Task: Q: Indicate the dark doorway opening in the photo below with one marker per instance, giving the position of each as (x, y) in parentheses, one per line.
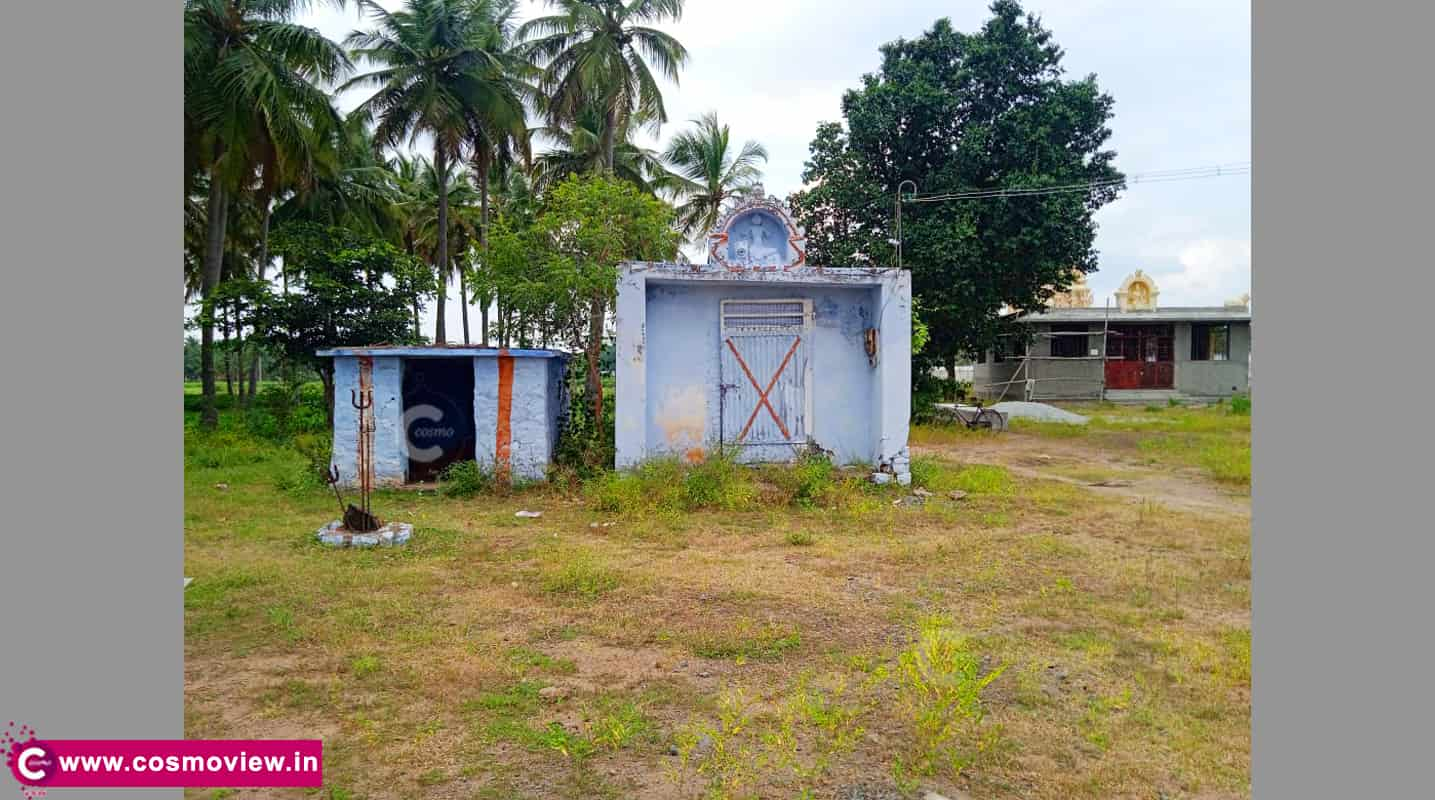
(438, 414)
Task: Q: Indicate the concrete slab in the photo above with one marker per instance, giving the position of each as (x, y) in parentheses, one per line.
(335, 535)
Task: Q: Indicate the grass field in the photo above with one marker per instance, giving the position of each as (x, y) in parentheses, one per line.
(729, 632)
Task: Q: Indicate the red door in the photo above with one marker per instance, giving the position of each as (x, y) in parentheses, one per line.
(1140, 357)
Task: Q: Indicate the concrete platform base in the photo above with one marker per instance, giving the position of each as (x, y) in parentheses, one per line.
(336, 535)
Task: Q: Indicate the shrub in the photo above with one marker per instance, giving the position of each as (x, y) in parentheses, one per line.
(815, 478)
(585, 445)
(926, 473)
(747, 640)
(800, 538)
(464, 479)
(668, 486)
(224, 449)
(616, 492)
(1241, 405)
(812, 481)
(719, 483)
(940, 680)
(580, 575)
(932, 475)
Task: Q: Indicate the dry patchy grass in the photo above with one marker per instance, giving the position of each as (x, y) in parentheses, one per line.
(748, 633)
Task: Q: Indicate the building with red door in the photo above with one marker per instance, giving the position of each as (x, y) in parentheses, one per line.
(1131, 350)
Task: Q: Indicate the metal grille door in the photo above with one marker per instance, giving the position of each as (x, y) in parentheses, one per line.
(765, 374)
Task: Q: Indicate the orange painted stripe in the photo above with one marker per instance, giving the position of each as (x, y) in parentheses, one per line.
(503, 441)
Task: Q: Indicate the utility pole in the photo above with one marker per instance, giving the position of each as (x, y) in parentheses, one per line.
(899, 218)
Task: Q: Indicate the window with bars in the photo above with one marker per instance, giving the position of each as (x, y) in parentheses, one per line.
(765, 316)
(1066, 344)
(1211, 342)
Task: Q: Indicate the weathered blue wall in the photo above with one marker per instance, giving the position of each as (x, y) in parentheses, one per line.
(533, 418)
(391, 456)
(684, 370)
(669, 340)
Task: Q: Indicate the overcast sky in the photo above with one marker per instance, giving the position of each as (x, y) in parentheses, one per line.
(1179, 73)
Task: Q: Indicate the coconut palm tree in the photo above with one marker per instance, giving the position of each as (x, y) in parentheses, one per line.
(600, 51)
(351, 186)
(439, 65)
(577, 147)
(422, 234)
(710, 173)
(252, 101)
(499, 140)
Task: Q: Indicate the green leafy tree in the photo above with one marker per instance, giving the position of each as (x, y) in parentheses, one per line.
(599, 51)
(345, 289)
(440, 66)
(590, 225)
(710, 172)
(952, 112)
(252, 105)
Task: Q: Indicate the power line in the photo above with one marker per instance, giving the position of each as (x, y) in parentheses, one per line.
(1159, 176)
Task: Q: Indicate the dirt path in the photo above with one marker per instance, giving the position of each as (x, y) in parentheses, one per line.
(1089, 463)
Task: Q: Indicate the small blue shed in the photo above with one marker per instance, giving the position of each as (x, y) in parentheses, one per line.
(762, 353)
(435, 405)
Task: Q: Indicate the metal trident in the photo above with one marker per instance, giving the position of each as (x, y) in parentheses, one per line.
(362, 402)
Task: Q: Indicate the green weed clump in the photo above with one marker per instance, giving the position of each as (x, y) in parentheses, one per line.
(940, 681)
(580, 575)
(935, 476)
(747, 641)
(1241, 405)
(224, 449)
(800, 538)
(668, 486)
(1228, 462)
(464, 479)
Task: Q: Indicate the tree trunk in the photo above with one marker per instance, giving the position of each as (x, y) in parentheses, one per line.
(481, 166)
(483, 317)
(498, 317)
(409, 250)
(326, 376)
(463, 304)
(217, 212)
(440, 164)
(263, 268)
(228, 359)
(238, 351)
(951, 365)
(610, 143)
(595, 350)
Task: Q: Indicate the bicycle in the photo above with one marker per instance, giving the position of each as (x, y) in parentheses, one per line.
(979, 417)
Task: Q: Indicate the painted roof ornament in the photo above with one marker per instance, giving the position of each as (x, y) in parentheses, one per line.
(758, 232)
(1076, 295)
(1137, 293)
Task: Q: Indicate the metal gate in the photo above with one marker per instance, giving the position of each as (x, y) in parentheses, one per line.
(1140, 357)
(765, 397)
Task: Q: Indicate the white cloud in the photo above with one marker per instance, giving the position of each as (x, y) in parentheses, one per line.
(1179, 73)
(1211, 272)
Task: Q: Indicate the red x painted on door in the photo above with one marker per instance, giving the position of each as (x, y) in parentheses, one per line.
(770, 412)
